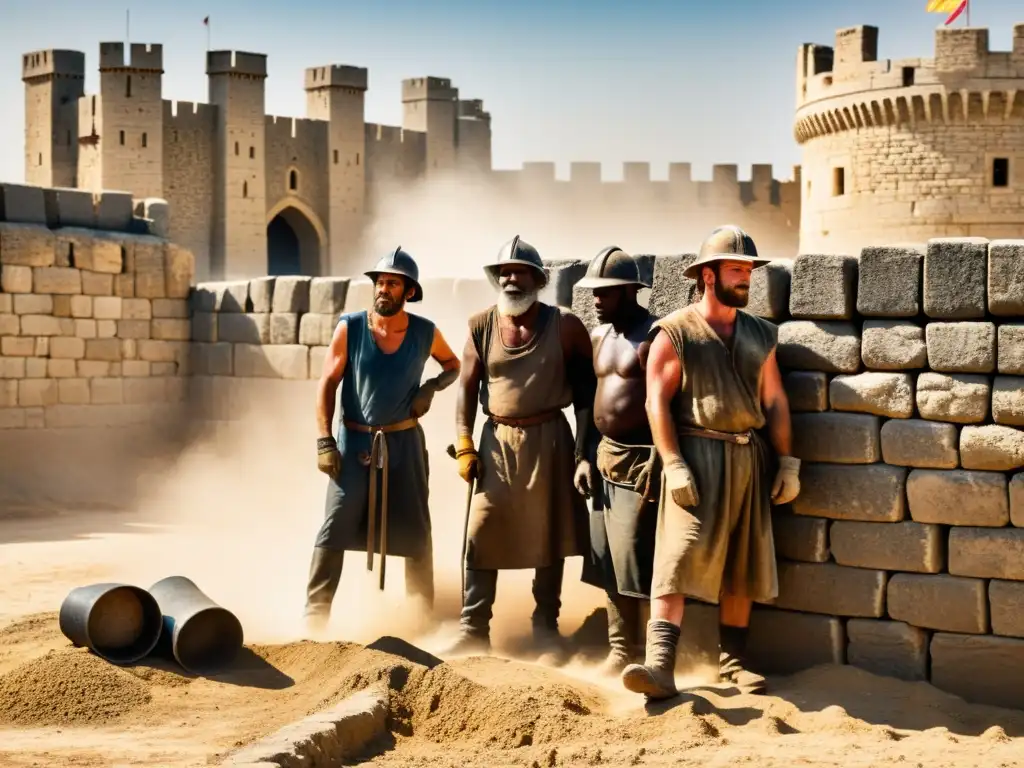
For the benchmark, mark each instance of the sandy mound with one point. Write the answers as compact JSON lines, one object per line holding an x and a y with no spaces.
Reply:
{"x":69,"y":687}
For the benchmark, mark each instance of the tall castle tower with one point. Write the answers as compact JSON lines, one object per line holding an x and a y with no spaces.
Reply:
{"x":54,"y":80}
{"x":237,"y":86}
{"x":121,"y":130}
{"x":431,"y":106}
{"x":337,"y":94}
{"x":903,"y":151}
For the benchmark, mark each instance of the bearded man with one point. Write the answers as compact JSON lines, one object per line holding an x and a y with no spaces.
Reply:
{"x":380,"y":452}
{"x":712,"y":382}
{"x":525,"y":361}
{"x":625,"y":491}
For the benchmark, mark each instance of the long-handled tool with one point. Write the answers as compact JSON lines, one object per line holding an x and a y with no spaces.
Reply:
{"x":465,"y":526}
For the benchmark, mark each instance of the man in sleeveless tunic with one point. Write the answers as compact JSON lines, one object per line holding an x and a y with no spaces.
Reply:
{"x":377,"y":466}
{"x":625,"y":495}
{"x":712,"y":382}
{"x":526,"y":361}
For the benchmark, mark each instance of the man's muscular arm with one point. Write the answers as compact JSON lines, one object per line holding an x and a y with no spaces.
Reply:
{"x":328,"y":456}
{"x":465,"y":411}
{"x":664,"y":377}
{"x":442,"y":353}
{"x":579,"y":366}
{"x":786,"y":485}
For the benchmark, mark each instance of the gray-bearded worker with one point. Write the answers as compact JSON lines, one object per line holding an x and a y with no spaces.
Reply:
{"x":712,"y":382}
{"x":625,"y":488}
{"x":377,"y":493}
{"x":525,"y":361}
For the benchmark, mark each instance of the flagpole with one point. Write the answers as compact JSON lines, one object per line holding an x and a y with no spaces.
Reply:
{"x":967,"y":12}
{"x":127,"y":27}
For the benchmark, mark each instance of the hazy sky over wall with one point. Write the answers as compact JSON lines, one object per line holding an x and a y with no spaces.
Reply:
{"x":648,"y":80}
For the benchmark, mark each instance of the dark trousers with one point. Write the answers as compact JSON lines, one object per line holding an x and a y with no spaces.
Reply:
{"x":482,"y":590}
{"x":325,"y":575}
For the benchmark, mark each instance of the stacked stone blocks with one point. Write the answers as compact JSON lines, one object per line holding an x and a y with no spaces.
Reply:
{"x":94,"y":319}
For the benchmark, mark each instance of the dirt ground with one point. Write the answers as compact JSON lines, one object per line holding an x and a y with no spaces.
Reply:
{"x":63,"y":706}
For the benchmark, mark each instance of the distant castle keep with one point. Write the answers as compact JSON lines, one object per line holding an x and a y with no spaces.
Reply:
{"x":902,"y":151}
{"x":251,"y":194}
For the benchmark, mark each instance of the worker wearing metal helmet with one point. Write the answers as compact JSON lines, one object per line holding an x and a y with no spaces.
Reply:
{"x":712,"y":383}
{"x":525,"y":362}
{"x":377,"y":357}
{"x":622,"y":474}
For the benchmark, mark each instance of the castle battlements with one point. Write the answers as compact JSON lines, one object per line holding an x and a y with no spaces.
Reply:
{"x":53,"y":63}
{"x":846,"y":86}
{"x":142,"y":57}
{"x":337,"y":76}
{"x":300,"y":129}
{"x":238,"y":63}
{"x":428,"y":89}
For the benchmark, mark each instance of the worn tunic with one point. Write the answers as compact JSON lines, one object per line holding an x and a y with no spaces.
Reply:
{"x":378,"y":389}
{"x":525,"y":513}
{"x":624,"y":519}
{"x":720,"y":390}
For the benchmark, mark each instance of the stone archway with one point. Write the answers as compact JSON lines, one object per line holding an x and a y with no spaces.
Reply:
{"x":295,"y":241}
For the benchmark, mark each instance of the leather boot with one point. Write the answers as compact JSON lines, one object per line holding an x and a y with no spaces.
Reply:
{"x":623,"y":626}
{"x":732,"y":662}
{"x":477,"y":610}
{"x":655,"y":678}
{"x":547,"y":594}
{"x":324,"y":577}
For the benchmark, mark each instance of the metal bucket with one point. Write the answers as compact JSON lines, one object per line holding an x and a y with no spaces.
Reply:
{"x":201,"y":635}
{"x":118,"y":622}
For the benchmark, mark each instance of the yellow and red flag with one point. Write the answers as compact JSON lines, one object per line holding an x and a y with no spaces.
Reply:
{"x":953,"y":7}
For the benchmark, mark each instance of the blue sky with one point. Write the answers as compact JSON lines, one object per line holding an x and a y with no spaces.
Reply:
{"x":564,"y":80}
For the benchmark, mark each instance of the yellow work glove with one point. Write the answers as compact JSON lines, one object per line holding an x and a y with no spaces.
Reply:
{"x":787,"y":480}
{"x":328,"y":457}
{"x":469,"y":461}
{"x":681,"y":484}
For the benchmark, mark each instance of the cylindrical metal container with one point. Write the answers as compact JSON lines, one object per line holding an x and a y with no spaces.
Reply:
{"x":202,"y":636}
{"x":118,"y":622}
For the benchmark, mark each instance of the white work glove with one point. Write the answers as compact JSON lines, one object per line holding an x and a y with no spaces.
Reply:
{"x":681,"y":484}
{"x":787,"y":480}
{"x":584,"y":479}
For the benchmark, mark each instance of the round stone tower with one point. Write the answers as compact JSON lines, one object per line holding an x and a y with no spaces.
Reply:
{"x":902,"y":151}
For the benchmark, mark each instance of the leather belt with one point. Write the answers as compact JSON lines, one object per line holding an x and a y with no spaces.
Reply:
{"x":378,"y":463}
{"x":525,"y":421}
{"x":739,"y":438}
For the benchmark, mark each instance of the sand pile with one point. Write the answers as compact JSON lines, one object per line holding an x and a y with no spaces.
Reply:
{"x":70,"y":687}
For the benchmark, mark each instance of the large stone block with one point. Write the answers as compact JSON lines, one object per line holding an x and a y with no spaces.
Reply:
{"x":228,"y":296}
{"x":212,"y":359}
{"x":939,"y":601}
{"x":1006,"y":607}
{"x":22,"y":203}
{"x":157,"y":214}
{"x":57,"y":280}
{"x":888,"y":648}
{"x":317,"y":330}
{"x":831,"y":589}
{"x":961,"y":399}
{"x":893,"y":345}
{"x":114,"y":210}
{"x":1006,"y":278}
{"x":987,"y":553}
{"x":180,"y":271}
{"x":284,"y":328}
{"x":769,"y":290}
{"x":905,"y":546}
{"x":961,"y":347}
{"x":958,"y":497}
{"x":800,"y":538}
{"x":889,"y":281}
{"x":74,"y":207}
{"x":360,"y":296}
{"x":563,"y":275}
{"x":1010,"y":349}
{"x":98,"y":251}
{"x":204,"y":326}
{"x":274,"y":361}
{"x":955,"y":275}
{"x":982,"y":669}
{"x":784,"y":642}
{"x":583,"y":308}
{"x":824,"y":287}
{"x":14,"y":279}
{"x":829,"y":346}
{"x":882,"y":394}
{"x":27,"y":245}
{"x":807,"y":391}
{"x":1008,"y":400}
{"x":992,"y":446}
{"x":1016,"y":492}
{"x":868,"y":492}
{"x":243,"y":329}
{"x":327,"y":295}
{"x":150,"y":268}
{"x":839,"y":438}
{"x":917,"y":443}
{"x":671,"y":290}
{"x":261,"y":294}
{"x":291,"y":294}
